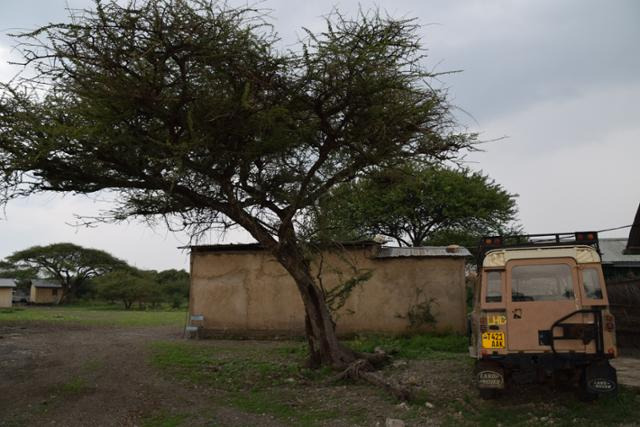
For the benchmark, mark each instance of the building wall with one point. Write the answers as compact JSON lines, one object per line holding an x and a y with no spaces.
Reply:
{"x":45,"y":295}
{"x":250,"y":293}
{"x":5,"y":297}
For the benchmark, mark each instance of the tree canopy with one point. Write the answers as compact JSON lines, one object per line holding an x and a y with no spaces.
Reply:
{"x":128,"y":286}
{"x":187,"y":110}
{"x":416,"y":205}
{"x":70,"y":265}
{"x":144,"y":286}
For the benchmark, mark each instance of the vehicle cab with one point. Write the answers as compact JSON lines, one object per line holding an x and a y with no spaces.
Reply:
{"x":541,"y":311}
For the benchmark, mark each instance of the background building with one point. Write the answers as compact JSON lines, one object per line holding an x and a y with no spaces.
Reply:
{"x":6,"y":292}
{"x":242,"y":290}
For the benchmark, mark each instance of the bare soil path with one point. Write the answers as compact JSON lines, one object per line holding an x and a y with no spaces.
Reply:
{"x":98,"y":376}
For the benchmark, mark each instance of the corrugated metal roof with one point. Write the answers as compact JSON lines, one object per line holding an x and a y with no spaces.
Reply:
{"x":613,"y":252}
{"x":243,"y":247}
{"x":38,"y":283}
{"x":421,"y":251}
{"x":7,"y":283}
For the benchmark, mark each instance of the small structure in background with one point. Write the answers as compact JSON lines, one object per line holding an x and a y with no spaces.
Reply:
{"x":621,"y":268}
{"x":20,"y":294}
{"x":6,"y":292}
{"x":45,"y":292}
{"x":617,"y":263}
{"x":241,"y":290}
{"x":620,"y":256}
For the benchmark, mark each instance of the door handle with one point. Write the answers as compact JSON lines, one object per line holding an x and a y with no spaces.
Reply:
{"x":517,"y":313}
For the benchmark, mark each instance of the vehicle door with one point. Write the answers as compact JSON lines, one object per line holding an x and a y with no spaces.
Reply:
{"x":593,"y":295}
{"x":538,"y":293}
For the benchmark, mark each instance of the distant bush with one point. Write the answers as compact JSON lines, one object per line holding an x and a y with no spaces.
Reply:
{"x":146,"y":288}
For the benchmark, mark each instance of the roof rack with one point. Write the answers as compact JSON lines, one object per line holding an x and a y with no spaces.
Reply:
{"x":488,"y":243}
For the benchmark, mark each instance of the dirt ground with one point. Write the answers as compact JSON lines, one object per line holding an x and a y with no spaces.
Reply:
{"x":628,"y":370}
{"x":102,"y":376}
{"x":74,"y":376}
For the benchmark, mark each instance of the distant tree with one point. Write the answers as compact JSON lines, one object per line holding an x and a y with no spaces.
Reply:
{"x":188,"y":110}
{"x":22,"y":276}
{"x":143,"y":287}
{"x":416,"y":205}
{"x":175,"y":286}
{"x":128,"y":286}
{"x":70,"y":265}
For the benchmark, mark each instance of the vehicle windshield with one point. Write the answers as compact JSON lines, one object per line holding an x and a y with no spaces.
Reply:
{"x":541,"y":282}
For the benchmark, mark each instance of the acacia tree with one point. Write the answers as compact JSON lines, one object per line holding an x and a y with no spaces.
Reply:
{"x":186,"y":109}
{"x":416,"y":205}
{"x":70,"y":265}
{"x":129,"y":286}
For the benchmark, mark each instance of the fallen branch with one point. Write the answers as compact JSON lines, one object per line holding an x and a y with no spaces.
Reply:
{"x":363,"y":369}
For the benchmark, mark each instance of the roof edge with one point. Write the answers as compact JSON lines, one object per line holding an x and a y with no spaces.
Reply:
{"x":248,"y":247}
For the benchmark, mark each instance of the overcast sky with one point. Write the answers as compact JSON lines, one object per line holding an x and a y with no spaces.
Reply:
{"x":559,"y":79}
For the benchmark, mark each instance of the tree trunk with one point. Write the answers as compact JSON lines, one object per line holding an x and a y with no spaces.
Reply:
{"x":324,"y":348}
{"x":64,"y":295}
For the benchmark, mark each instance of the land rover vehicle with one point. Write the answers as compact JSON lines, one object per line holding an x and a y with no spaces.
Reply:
{"x":541,"y":312}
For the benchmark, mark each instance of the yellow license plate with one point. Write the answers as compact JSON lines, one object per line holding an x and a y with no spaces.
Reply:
{"x":493,"y":340}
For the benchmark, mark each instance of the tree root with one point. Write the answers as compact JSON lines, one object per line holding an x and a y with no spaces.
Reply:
{"x":363,"y":369}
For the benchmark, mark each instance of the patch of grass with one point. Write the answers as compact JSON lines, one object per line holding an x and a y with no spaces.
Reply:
{"x":613,"y":410}
{"x":254,"y":380}
{"x":92,"y":365}
{"x":424,"y":346}
{"x":11,"y":310}
{"x":92,"y":317}
{"x":107,"y":306}
{"x":281,"y":405}
{"x":230,"y":371}
{"x":164,"y":419}
{"x":560,"y":410}
{"x":73,"y":387}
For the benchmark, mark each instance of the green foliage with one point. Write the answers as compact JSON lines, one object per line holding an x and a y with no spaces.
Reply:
{"x":170,"y":102}
{"x":70,"y":265}
{"x":420,"y":314}
{"x":417,"y":205}
{"x":144,"y":287}
{"x":128,"y":286}
{"x":337,"y":296}
{"x":175,"y":286}
{"x":419,"y":346}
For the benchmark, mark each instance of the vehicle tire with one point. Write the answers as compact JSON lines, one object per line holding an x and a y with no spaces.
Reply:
{"x":583,"y":393}
{"x":488,"y":393}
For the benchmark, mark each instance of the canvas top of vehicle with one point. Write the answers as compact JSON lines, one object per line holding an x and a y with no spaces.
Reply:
{"x":541,"y":297}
